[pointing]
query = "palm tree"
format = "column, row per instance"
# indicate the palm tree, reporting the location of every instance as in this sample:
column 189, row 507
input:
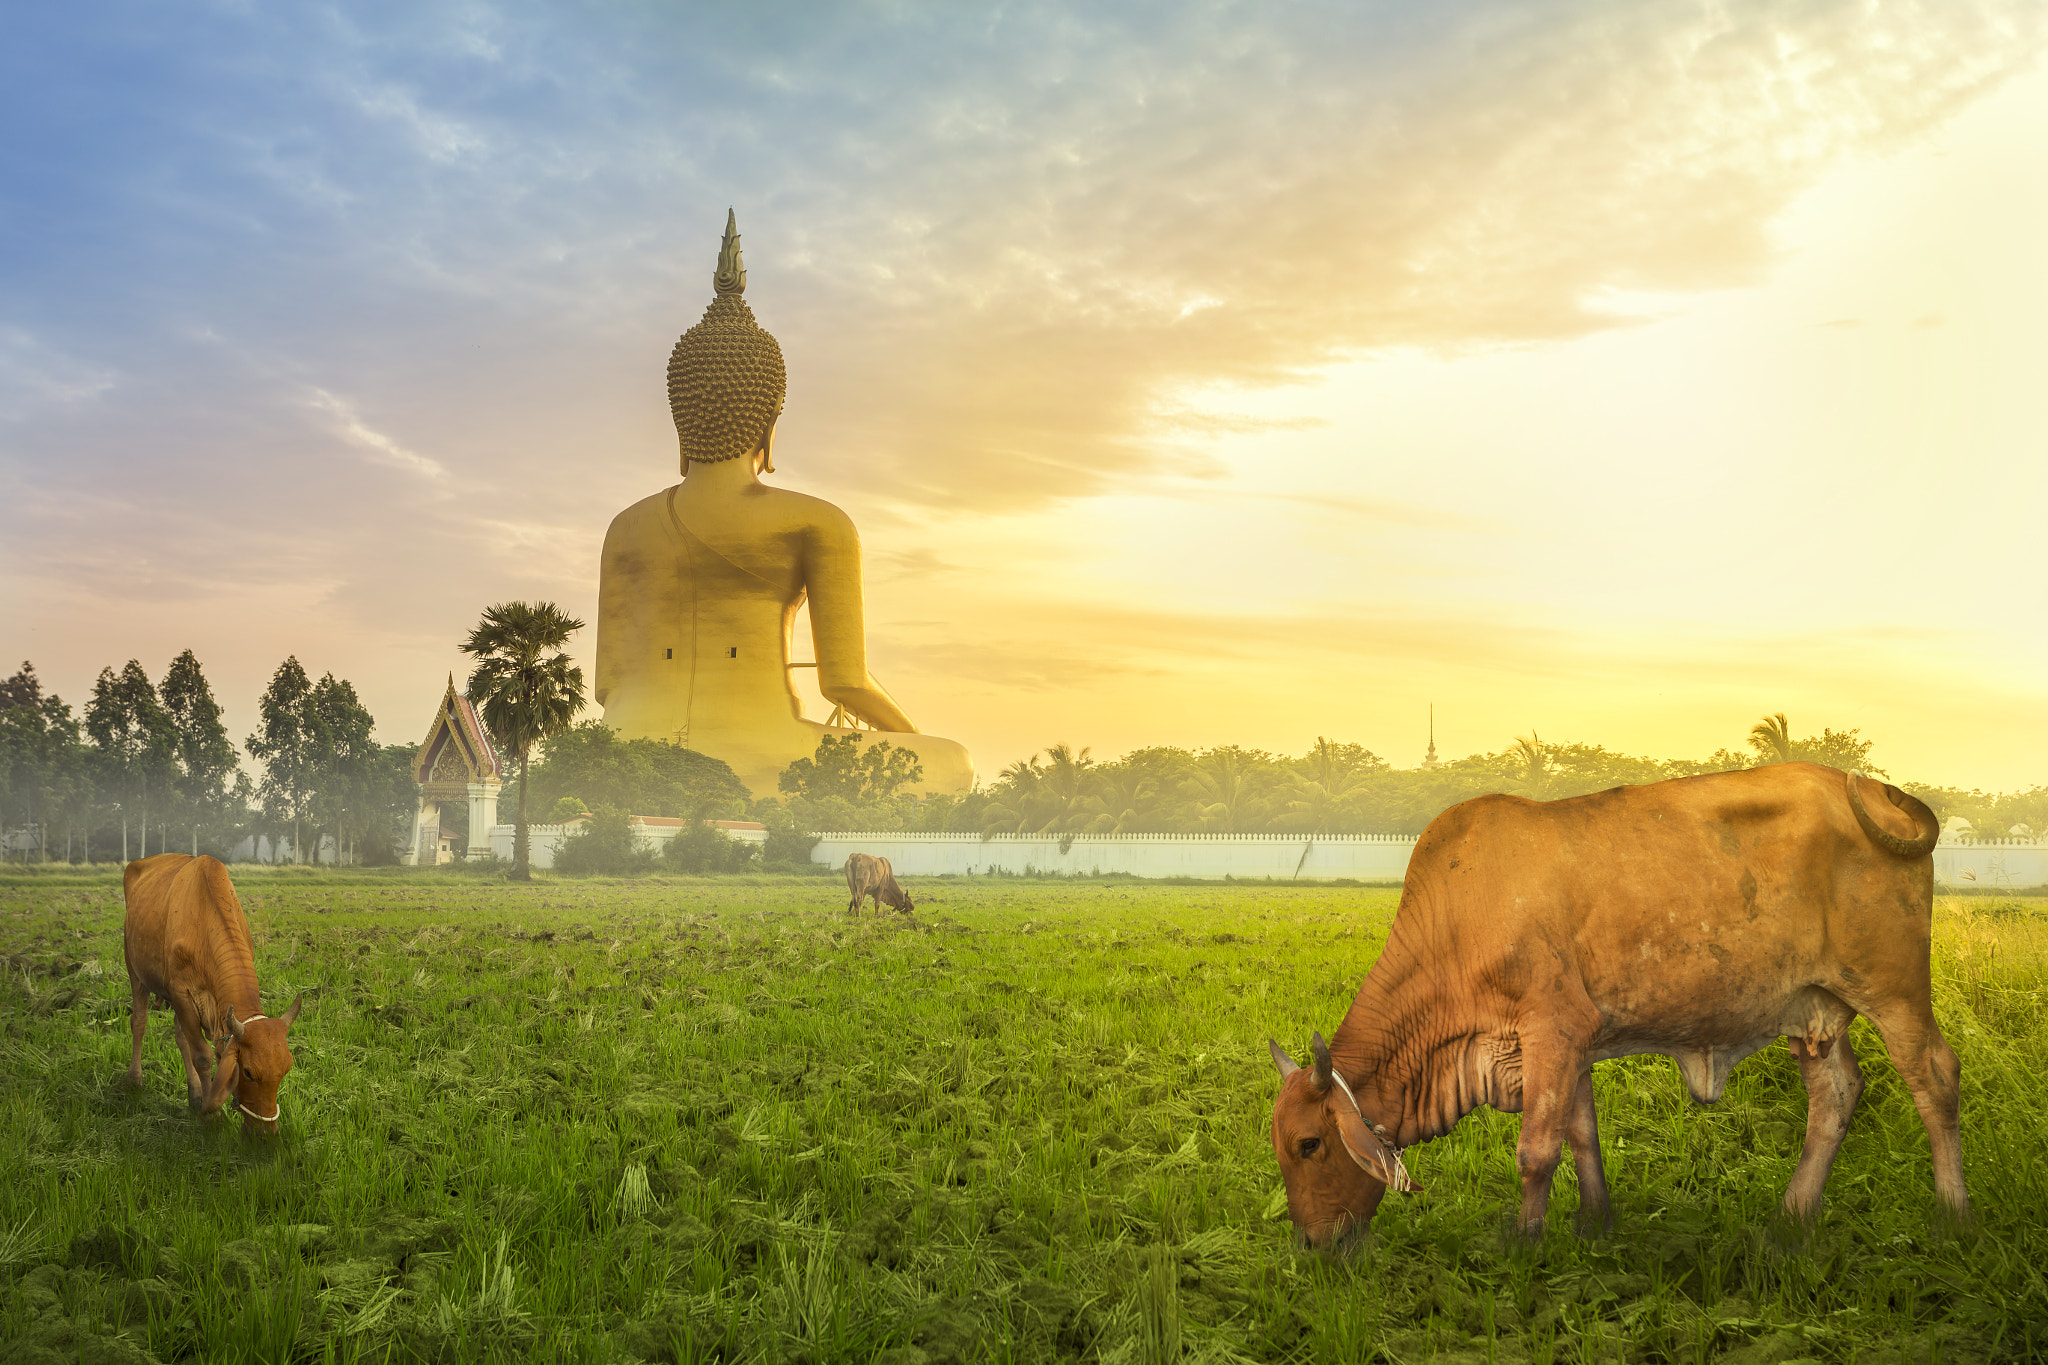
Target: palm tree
column 1528, row 753
column 1227, row 788
column 1051, row 798
column 524, row 692
column 1771, row 737
column 1126, row 794
column 1326, row 783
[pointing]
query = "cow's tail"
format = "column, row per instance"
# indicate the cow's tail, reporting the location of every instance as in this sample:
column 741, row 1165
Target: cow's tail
column 1923, row 819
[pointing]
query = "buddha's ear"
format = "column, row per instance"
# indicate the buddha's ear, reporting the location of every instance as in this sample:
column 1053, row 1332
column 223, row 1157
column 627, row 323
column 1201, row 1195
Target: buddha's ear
column 768, row 445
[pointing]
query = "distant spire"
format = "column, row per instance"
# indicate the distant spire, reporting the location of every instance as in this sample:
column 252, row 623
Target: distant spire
column 1430, row 760
column 731, row 277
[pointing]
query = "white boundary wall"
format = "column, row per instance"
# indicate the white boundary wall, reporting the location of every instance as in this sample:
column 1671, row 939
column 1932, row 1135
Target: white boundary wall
column 1363, row 857
column 2001, row 864
column 1993, row 863
column 544, row 841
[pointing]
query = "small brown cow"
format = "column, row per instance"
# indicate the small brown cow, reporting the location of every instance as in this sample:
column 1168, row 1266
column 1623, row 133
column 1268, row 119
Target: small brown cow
column 1700, row 918
column 870, row 876
column 187, row 942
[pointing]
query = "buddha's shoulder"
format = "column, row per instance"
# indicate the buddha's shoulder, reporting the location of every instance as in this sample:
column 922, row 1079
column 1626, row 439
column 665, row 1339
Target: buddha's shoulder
column 802, row 508
column 651, row 509
column 763, row 506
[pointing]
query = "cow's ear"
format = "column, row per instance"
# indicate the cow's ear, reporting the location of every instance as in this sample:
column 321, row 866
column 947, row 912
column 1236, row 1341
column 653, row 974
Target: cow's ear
column 290, row 1016
column 1374, row 1156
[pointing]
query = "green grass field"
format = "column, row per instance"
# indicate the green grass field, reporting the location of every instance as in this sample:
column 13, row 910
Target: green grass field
column 698, row 1120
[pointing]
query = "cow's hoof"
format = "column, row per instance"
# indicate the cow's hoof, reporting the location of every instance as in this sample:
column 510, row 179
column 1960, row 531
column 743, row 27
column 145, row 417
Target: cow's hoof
column 1951, row 1221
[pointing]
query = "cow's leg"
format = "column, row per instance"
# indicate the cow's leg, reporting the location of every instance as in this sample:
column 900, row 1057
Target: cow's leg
column 1931, row 1071
column 198, row 1064
column 1833, row 1086
column 1549, row 1102
column 1583, row 1132
column 138, row 1020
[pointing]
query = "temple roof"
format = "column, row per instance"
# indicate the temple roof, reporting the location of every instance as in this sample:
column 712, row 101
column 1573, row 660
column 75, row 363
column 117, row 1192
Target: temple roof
column 457, row 750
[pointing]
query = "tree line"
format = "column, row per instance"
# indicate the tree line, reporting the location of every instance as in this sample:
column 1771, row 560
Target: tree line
column 1333, row 788
column 147, row 767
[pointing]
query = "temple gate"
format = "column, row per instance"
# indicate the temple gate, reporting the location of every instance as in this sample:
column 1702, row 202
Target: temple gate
column 456, row 762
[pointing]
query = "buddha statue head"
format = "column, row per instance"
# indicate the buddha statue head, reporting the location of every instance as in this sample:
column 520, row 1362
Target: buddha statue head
column 725, row 377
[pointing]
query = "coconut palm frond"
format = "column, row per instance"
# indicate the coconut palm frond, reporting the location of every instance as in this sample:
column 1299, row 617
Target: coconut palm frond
column 1771, row 737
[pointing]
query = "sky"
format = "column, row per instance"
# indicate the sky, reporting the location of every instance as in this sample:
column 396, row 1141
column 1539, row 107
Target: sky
column 1618, row 371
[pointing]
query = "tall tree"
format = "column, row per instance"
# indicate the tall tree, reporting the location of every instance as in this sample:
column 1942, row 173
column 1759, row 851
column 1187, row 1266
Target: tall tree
column 23, row 689
column 524, row 687
column 344, row 762
column 592, row 763
column 137, row 746
column 208, row 782
column 42, row 771
column 286, row 745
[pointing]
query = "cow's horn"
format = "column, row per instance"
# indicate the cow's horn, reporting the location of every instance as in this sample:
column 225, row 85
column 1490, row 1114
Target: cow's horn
column 1281, row 1060
column 234, row 1025
column 291, row 1015
column 1324, row 1069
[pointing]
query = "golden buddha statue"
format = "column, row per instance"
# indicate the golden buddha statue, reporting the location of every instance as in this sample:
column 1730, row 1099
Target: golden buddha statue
column 700, row 584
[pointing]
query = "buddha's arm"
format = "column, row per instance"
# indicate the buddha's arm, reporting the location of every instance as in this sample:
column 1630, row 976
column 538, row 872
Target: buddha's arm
column 633, row 595
column 838, row 624
column 610, row 627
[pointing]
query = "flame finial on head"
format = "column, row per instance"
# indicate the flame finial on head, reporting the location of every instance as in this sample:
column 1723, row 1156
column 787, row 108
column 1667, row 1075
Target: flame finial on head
column 731, row 276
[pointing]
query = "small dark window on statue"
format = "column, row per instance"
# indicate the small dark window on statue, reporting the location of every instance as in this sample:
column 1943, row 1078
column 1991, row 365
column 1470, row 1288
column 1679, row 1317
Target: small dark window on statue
column 668, row 654
column 733, row 652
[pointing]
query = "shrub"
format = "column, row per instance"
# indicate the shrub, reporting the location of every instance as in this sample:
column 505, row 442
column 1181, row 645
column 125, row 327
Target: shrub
column 604, row 847
column 703, row 849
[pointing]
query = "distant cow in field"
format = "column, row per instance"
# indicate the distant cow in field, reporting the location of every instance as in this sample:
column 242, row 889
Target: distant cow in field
column 1700, row 918
column 870, row 876
column 187, row 942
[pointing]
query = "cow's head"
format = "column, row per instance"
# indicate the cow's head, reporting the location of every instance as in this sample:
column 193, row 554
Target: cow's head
column 1336, row 1168
column 898, row 898
column 251, row 1065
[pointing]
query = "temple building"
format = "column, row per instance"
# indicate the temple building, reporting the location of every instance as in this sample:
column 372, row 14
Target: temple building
column 456, row 762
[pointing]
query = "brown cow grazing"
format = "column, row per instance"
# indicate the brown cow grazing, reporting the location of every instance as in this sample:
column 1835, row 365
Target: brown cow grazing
column 1700, row 918
column 187, row 942
column 870, row 876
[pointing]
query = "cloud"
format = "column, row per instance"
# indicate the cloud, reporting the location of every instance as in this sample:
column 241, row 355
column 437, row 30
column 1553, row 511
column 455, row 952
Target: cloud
column 380, row 448
column 450, row 247
column 1000, row 308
